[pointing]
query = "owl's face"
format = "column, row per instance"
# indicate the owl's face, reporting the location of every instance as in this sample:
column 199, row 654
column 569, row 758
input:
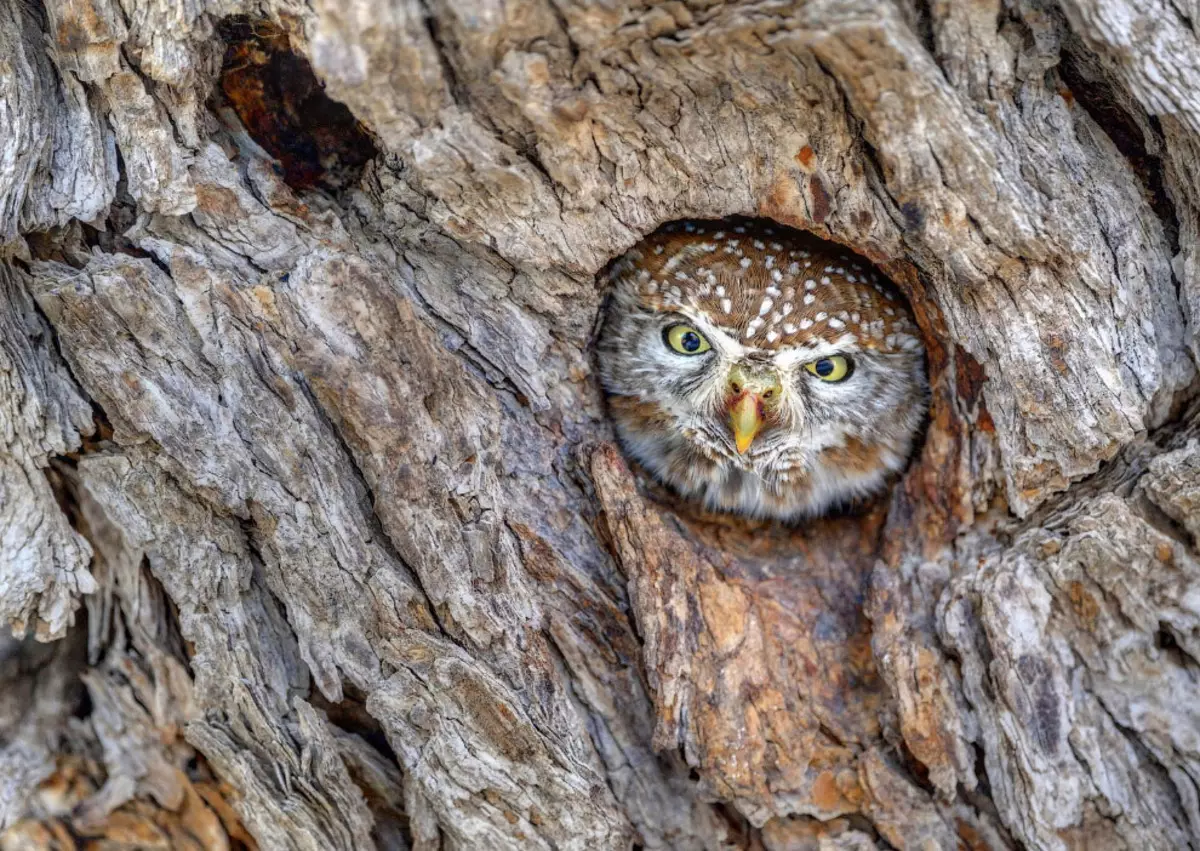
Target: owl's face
column 759, row 369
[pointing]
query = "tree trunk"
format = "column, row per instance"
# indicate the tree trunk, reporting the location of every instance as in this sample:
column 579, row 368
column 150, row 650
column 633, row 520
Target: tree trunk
column 312, row 530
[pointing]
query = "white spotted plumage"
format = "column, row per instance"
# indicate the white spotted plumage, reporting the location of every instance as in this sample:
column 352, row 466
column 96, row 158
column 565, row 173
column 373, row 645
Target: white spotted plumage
column 735, row 283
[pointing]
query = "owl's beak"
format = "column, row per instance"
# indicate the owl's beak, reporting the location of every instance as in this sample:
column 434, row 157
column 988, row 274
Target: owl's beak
column 750, row 392
column 746, row 418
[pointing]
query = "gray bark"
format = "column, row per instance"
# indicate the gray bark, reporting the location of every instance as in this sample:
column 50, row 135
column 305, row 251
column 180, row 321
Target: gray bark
column 312, row 531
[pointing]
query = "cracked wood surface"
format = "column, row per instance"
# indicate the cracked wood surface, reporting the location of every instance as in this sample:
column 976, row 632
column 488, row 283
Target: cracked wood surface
column 309, row 507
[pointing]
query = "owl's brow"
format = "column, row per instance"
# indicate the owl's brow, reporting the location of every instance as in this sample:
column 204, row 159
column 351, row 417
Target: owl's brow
column 717, row 337
column 782, row 358
column 794, row 355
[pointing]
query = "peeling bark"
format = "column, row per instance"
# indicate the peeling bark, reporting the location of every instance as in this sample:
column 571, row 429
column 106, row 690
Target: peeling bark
column 312, row 531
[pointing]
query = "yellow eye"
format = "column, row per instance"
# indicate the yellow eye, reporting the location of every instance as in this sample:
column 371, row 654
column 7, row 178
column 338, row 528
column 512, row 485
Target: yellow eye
column 832, row 369
column 686, row 340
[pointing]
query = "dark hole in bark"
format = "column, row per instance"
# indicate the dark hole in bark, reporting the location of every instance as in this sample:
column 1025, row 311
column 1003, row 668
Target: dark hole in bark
column 391, row 828
column 917, row 770
column 1163, row 640
column 743, row 834
column 83, row 709
column 1168, row 644
column 316, row 140
column 350, row 714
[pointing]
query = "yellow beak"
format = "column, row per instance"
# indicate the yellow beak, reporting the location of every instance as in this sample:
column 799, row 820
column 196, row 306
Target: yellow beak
column 746, row 419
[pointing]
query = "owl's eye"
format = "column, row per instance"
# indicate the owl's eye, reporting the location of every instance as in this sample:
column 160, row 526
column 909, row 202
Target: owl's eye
column 832, row 369
column 686, row 340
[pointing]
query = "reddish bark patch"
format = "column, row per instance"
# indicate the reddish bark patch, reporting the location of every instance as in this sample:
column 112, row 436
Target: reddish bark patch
column 969, row 376
column 820, row 199
column 1058, row 351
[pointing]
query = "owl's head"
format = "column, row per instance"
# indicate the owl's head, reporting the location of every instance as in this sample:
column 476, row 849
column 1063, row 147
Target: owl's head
column 759, row 369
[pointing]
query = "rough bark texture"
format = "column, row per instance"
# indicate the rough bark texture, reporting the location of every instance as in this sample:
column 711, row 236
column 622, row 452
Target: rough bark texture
column 312, row 532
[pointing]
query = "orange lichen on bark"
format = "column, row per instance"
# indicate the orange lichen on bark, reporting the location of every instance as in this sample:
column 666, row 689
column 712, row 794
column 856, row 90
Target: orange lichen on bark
column 64, row 818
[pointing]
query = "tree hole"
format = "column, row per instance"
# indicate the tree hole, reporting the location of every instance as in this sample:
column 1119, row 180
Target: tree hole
column 317, row 141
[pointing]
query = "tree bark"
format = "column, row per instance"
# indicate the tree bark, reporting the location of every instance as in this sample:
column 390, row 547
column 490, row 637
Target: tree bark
column 312, row 531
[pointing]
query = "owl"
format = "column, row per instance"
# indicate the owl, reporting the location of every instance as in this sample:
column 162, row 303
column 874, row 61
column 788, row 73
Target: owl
column 760, row 370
